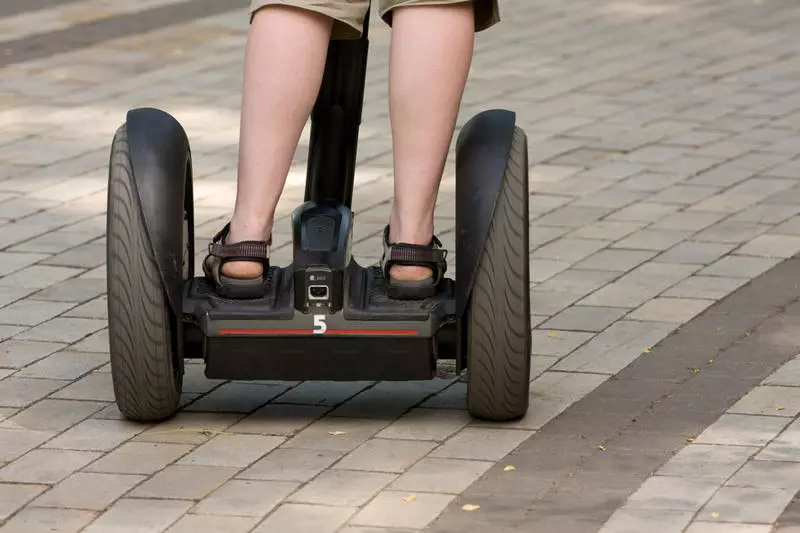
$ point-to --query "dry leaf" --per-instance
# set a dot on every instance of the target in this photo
(469, 507)
(602, 447)
(714, 515)
(410, 498)
(337, 433)
(696, 370)
(509, 468)
(552, 334)
(647, 350)
(780, 408)
(691, 439)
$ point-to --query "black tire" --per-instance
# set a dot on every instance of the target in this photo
(146, 367)
(498, 316)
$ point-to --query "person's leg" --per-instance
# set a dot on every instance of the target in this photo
(431, 51)
(284, 63)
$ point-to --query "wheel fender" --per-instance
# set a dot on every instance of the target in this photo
(161, 163)
(482, 151)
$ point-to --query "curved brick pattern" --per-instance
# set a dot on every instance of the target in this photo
(664, 178)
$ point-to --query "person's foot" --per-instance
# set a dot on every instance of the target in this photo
(243, 269)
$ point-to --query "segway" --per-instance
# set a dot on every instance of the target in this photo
(324, 316)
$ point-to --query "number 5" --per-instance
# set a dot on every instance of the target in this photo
(319, 324)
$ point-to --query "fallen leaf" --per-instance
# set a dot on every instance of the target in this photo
(602, 447)
(696, 370)
(647, 350)
(509, 468)
(691, 439)
(553, 335)
(780, 408)
(714, 515)
(410, 498)
(337, 433)
(469, 507)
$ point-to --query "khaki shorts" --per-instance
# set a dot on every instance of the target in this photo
(348, 15)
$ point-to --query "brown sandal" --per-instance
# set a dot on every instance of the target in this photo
(220, 253)
(431, 255)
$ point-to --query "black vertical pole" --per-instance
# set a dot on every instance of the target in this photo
(335, 122)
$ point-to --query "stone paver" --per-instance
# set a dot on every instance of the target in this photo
(664, 177)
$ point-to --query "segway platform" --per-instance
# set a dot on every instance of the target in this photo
(323, 316)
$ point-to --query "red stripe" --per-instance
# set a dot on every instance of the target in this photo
(387, 332)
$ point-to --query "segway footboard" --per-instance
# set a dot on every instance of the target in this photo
(373, 338)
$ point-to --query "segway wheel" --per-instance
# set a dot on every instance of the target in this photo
(145, 364)
(498, 316)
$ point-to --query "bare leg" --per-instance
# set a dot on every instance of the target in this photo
(430, 60)
(284, 63)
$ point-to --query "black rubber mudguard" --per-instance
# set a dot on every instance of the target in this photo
(161, 163)
(482, 151)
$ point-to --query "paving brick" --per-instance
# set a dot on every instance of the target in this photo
(93, 387)
(342, 488)
(75, 290)
(45, 466)
(773, 401)
(336, 434)
(671, 310)
(64, 365)
(50, 520)
(97, 308)
(673, 493)
(287, 464)
(16, 354)
(616, 260)
(731, 232)
(739, 266)
(213, 524)
(728, 527)
(766, 214)
(683, 194)
(61, 329)
(708, 461)
(239, 497)
(705, 287)
(693, 252)
(781, 246)
(481, 444)
(189, 428)
(767, 474)
(279, 419)
(303, 518)
(648, 239)
(54, 415)
(391, 509)
(31, 312)
(611, 230)
(232, 450)
(236, 398)
(96, 342)
(572, 217)
(322, 393)
(389, 399)
(188, 482)
(544, 269)
(643, 212)
(585, 318)
(15, 496)
(138, 458)
(96, 435)
(426, 424)
(639, 285)
(557, 343)
(148, 515)
(615, 348)
(38, 276)
(744, 504)
(93, 492)
(742, 430)
(20, 392)
(384, 455)
(627, 520)
(446, 476)
(787, 375)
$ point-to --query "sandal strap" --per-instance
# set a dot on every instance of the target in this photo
(430, 255)
(242, 250)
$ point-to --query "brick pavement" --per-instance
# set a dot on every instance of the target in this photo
(664, 177)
